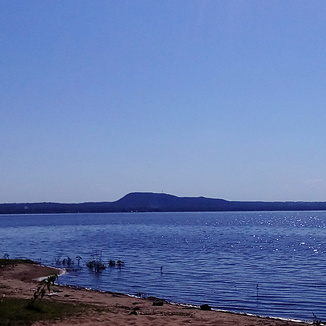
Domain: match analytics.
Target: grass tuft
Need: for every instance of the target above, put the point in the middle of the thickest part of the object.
(15, 311)
(4, 261)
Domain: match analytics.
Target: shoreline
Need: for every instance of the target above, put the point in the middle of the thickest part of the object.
(186, 305)
(18, 281)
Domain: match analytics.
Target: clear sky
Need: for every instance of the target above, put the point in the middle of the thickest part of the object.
(222, 99)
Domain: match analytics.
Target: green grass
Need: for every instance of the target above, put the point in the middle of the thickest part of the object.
(20, 312)
(14, 312)
(15, 261)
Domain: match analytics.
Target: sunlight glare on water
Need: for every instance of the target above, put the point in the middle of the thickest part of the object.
(266, 263)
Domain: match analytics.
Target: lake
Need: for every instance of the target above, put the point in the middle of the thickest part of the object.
(263, 263)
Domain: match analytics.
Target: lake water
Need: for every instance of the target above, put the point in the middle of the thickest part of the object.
(264, 263)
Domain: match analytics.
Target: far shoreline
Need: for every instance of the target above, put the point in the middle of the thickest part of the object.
(147, 202)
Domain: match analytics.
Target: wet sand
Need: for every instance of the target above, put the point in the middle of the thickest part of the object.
(115, 309)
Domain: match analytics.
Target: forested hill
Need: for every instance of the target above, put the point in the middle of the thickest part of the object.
(158, 202)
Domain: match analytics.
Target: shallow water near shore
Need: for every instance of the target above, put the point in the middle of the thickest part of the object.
(263, 263)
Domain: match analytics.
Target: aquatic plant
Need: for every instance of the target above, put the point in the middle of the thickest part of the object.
(120, 264)
(95, 265)
(78, 258)
(316, 321)
(111, 263)
(57, 260)
(67, 261)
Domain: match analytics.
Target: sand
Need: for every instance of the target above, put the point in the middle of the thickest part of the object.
(117, 309)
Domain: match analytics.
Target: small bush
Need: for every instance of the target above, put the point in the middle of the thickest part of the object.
(41, 290)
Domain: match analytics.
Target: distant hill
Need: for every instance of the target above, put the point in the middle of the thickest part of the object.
(158, 202)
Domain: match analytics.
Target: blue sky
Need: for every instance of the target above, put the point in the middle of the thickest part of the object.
(222, 99)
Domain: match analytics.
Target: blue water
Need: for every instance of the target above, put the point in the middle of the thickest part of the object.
(264, 263)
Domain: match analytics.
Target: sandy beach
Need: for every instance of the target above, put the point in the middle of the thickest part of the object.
(19, 281)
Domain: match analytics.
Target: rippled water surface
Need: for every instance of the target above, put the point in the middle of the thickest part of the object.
(266, 263)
